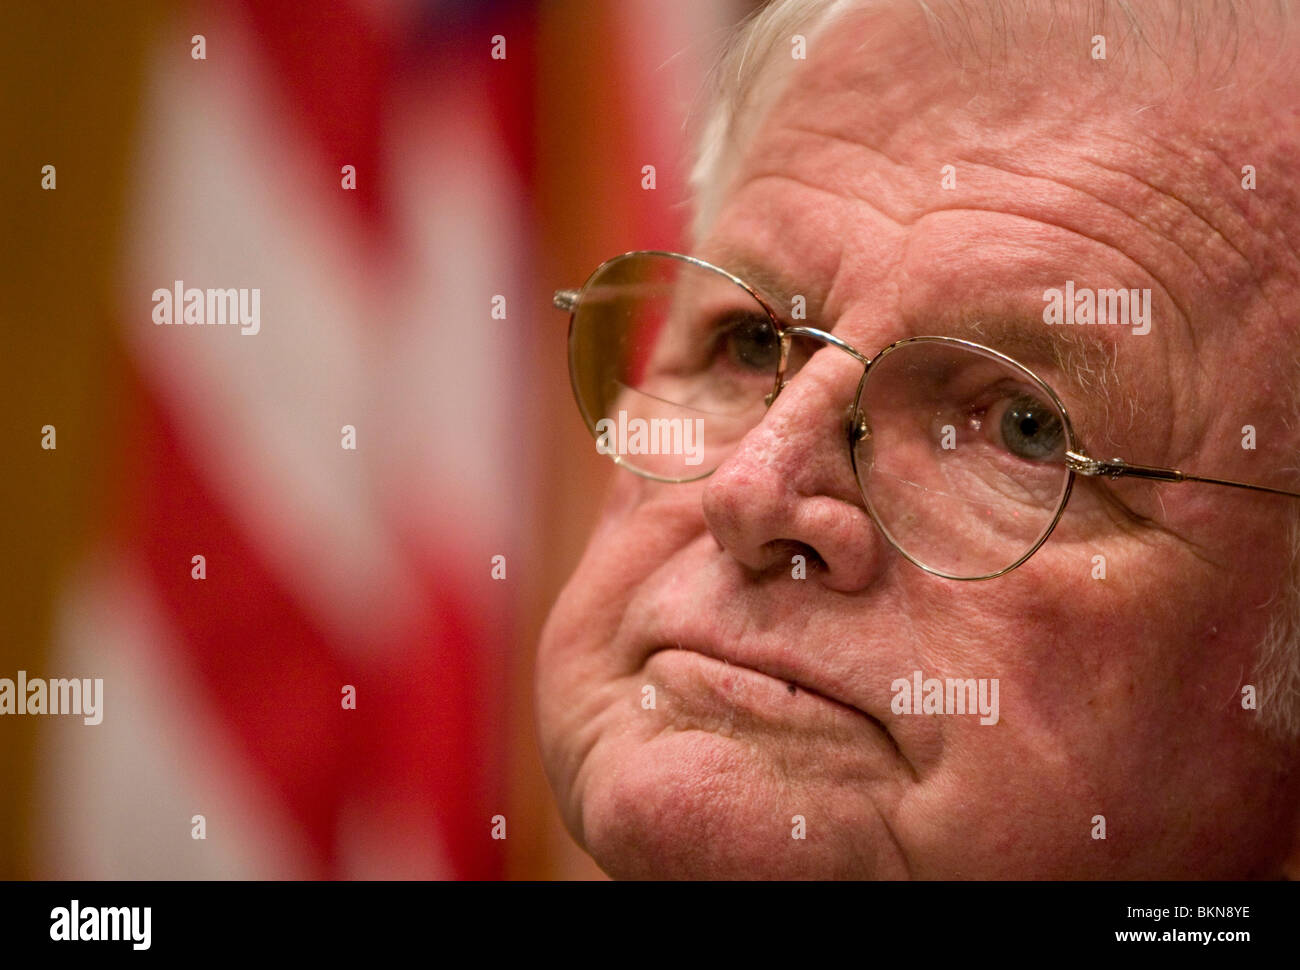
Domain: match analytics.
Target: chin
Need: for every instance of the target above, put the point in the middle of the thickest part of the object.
(697, 805)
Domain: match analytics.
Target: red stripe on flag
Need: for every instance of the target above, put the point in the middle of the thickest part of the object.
(335, 67)
(423, 740)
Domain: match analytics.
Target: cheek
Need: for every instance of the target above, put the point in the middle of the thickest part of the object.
(1154, 642)
(1110, 690)
(642, 526)
(581, 656)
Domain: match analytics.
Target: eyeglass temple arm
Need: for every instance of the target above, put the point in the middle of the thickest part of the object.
(1118, 468)
(565, 300)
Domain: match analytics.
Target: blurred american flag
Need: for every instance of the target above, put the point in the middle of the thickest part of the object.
(326, 566)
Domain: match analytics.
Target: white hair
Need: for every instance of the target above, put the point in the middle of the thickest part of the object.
(749, 69)
(1277, 659)
(749, 58)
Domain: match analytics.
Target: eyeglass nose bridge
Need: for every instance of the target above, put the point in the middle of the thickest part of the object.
(824, 337)
(855, 420)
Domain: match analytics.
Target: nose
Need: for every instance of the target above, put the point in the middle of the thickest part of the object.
(788, 487)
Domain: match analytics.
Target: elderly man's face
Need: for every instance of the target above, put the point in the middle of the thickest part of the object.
(1118, 696)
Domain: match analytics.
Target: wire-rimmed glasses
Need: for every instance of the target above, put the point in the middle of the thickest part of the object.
(965, 458)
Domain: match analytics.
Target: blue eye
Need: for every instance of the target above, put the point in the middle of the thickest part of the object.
(1031, 429)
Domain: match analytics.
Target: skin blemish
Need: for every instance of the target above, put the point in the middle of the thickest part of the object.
(791, 688)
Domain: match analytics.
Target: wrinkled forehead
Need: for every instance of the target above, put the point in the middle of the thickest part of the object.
(1065, 121)
(1228, 72)
(895, 70)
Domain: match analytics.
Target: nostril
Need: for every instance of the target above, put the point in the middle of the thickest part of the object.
(798, 558)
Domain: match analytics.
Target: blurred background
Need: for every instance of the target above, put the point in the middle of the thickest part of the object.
(324, 567)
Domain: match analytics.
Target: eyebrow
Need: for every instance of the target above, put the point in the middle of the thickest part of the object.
(773, 286)
(1089, 362)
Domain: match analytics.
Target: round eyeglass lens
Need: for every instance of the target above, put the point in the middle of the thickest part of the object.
(671, 361)
(962, 460)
